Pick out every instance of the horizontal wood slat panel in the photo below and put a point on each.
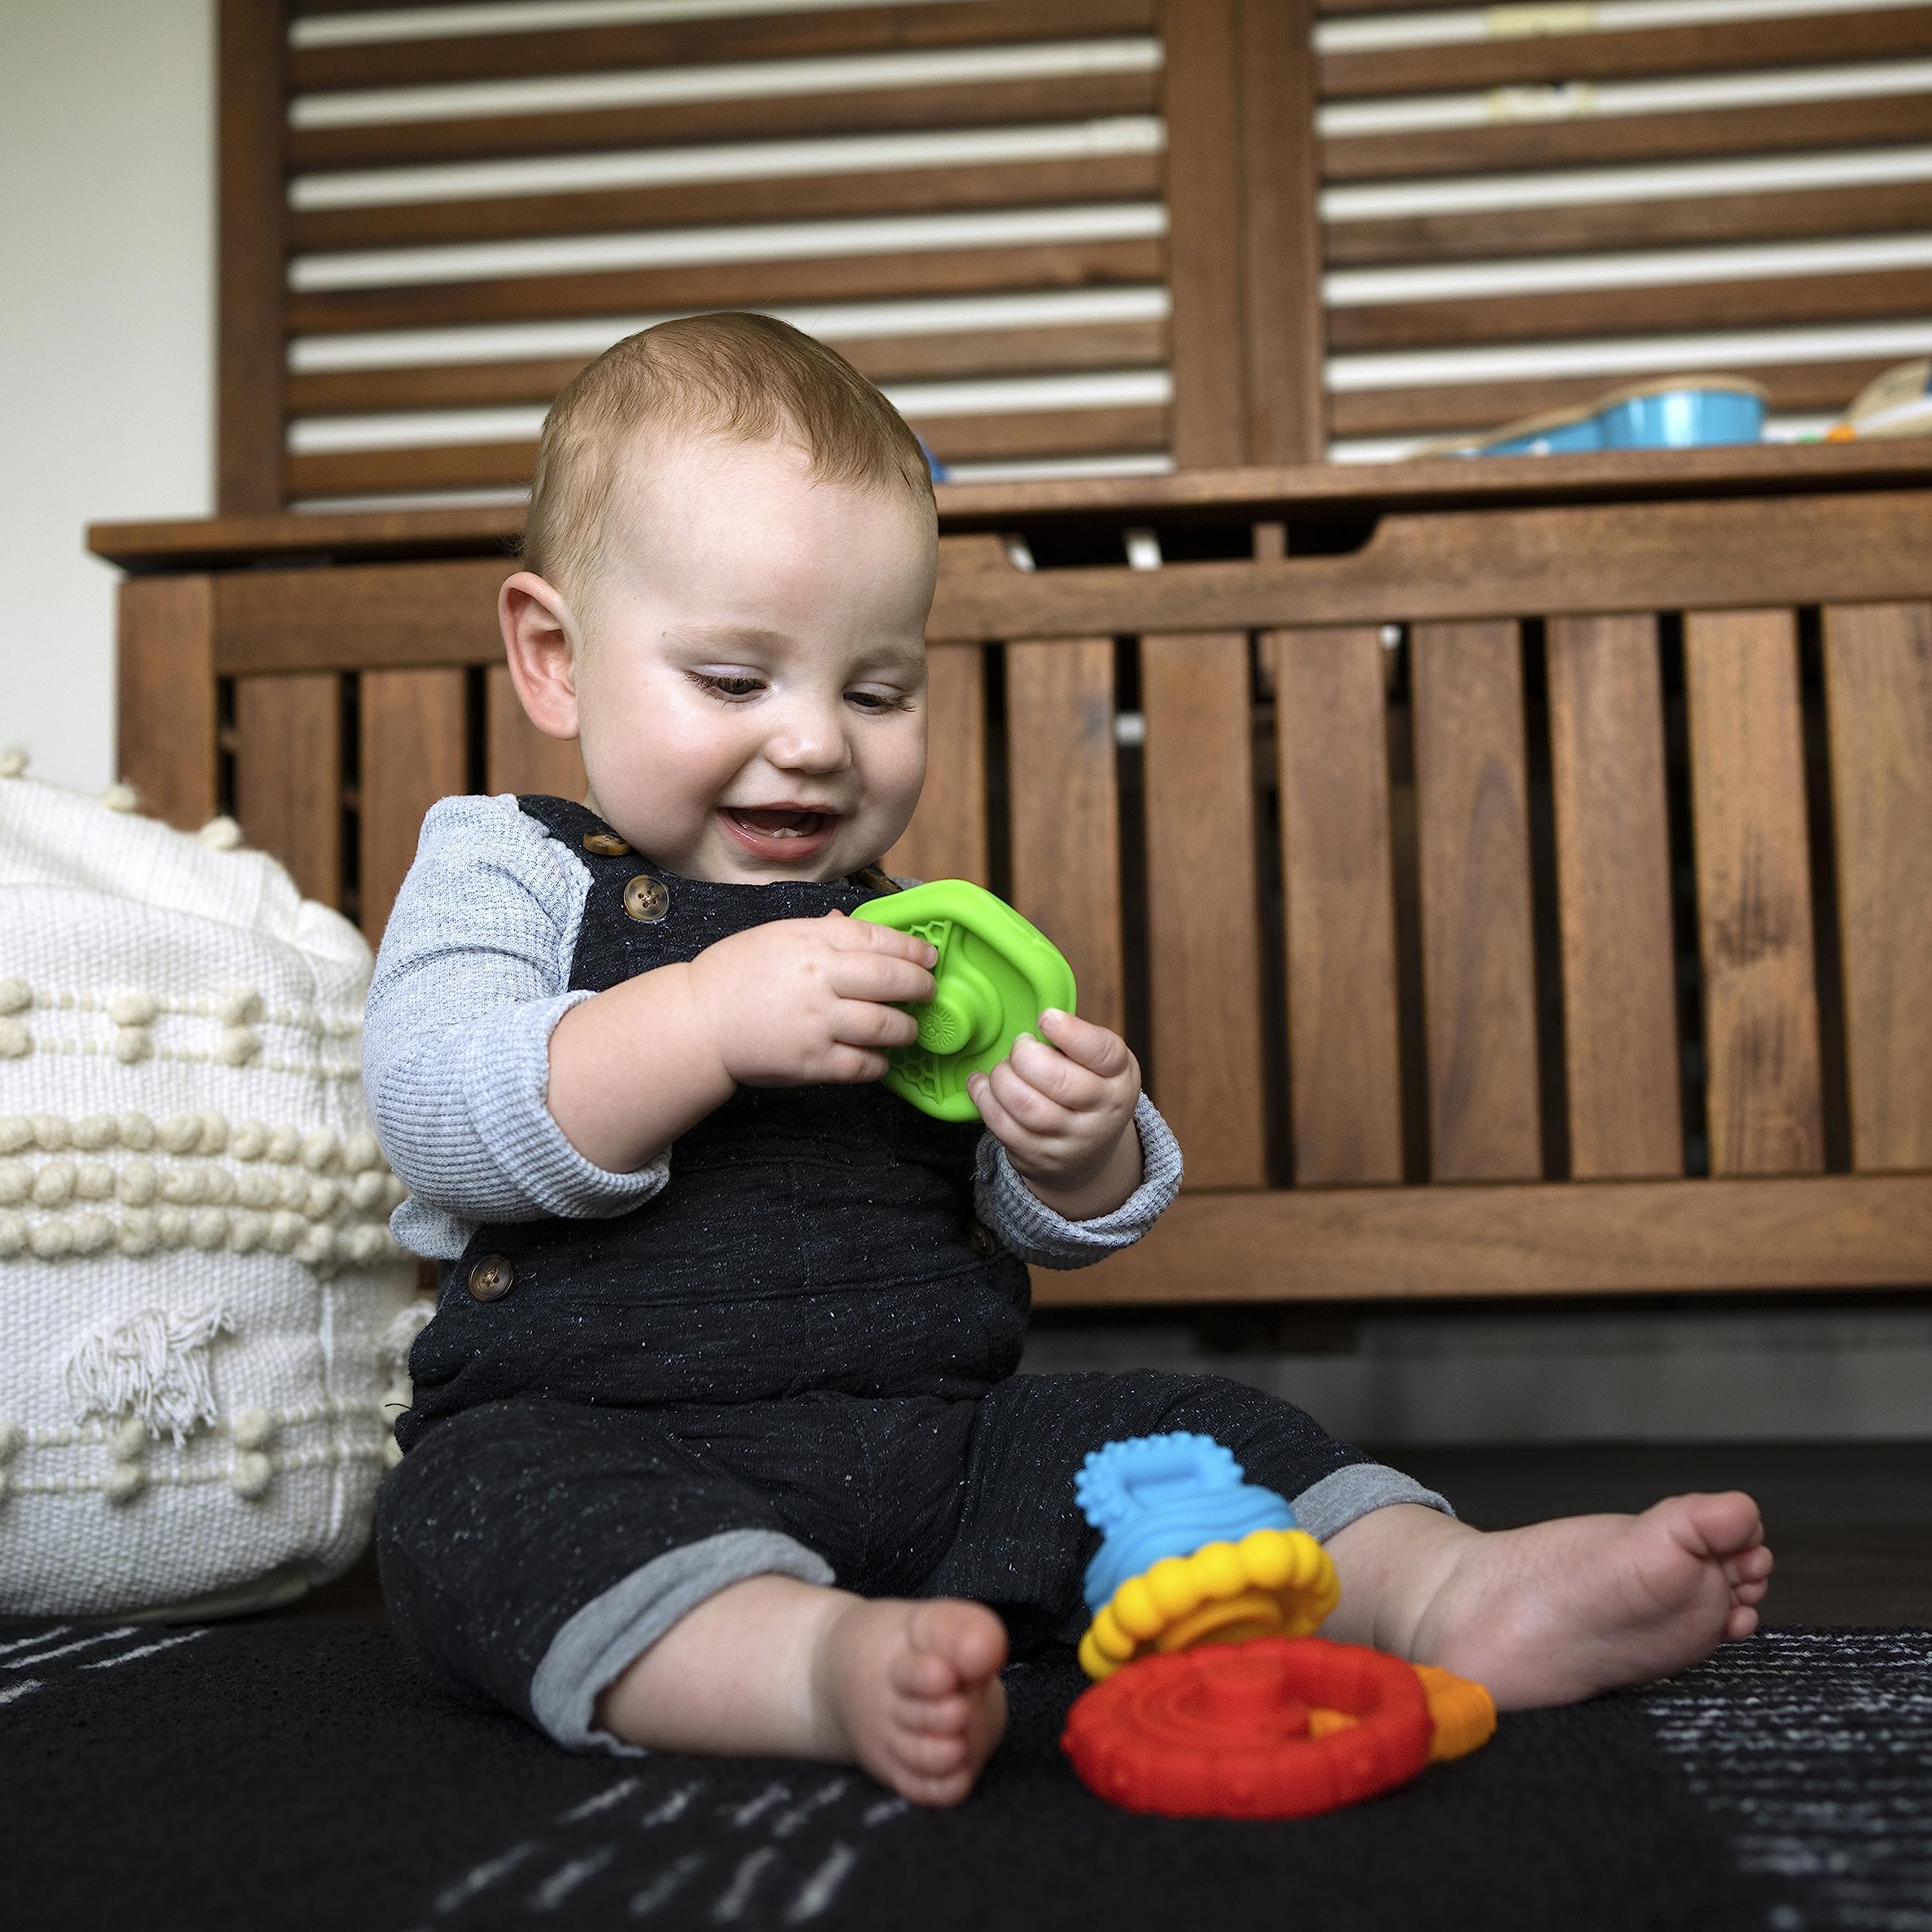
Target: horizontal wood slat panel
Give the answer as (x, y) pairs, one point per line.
(747, 117)
(1879, 693)
(413, 751)
(1612, 891)
(1033, 432)
(1825, 39)
(1867, 295)
(1331, 732)
(829, 31)
(724, 285)
(288, 775)
(1478, 982)
(1762, 1085)
(376, 617)
(517, 757)
(959, 353)
(947, 838)
(1203, 946)
(1789, 127)
(1789, 214)
(1063, 810)
(1410, 1244)
(1076, 178)
(1797, 388)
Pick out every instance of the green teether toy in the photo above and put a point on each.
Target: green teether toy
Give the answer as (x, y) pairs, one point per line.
(996, 974)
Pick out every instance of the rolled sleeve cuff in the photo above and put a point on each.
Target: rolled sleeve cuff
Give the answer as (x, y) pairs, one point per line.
(1352, 1492)
(1044, 1239)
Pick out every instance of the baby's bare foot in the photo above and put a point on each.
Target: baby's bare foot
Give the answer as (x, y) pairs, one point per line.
(1560, 1611)
(913, 1692)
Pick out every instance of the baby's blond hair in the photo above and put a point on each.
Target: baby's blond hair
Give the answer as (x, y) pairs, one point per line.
(745, 377)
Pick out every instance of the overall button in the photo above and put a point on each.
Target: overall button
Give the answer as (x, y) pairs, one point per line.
(646, 899)
(492, 1279)
(982, 1241)
(605, 844)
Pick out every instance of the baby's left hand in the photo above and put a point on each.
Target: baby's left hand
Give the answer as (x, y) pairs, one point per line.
(1063, 1108)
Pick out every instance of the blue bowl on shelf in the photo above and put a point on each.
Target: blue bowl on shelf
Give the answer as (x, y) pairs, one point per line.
(1675, 413)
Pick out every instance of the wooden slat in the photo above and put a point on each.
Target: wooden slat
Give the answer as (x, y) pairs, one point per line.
(947, 838)
(1754, 893)
(1879, 691)
(412, 753)
(966, 353)
(1478, 981)
(1063, 811)
(288, 775)
(1018, 433)
(1073, 178)
(1785, 128)
(726, 285)
(1203, 161)
(1414, 1244)
(1204, 958)
(1823, 39)
(165, 721)
(518, 758)
(1280, 238)
(764, 117)
(251, 39)
(1806, 388)
(1344, 1060)
(1579, 559)
(827, 31)
(1868, 295)
(1613, 884)
(1789, 214)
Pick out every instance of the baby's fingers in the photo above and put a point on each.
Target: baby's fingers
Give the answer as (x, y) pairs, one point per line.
(865, 1023)
(867, 936)
(1094, 1047)
(1041, 1115)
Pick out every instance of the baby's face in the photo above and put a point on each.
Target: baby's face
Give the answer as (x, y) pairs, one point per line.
(751, 674)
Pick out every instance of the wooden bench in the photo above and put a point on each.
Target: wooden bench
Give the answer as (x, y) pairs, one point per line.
(1515, 878)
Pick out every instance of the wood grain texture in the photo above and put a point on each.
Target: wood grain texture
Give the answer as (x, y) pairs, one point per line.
(947, 838)
(819, 33)
(1204, 964)
(251, 40)
(376, 617)
(1478, 979)
(1063, 810)
(891, 274)
(1203, 169)
(1421, 1243)
(518, 758)
(1344, 1055)
(1878, 694)
(1754, 893)
(165, 722)
(1613, 891)
(288, 770)
(412, 752)
(1281, 233)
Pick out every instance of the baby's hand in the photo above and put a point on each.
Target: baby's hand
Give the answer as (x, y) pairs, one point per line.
(1063, 1108)
(802, 1001)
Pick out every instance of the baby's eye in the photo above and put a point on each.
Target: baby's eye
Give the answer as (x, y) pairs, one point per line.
(877, 700)
(731, 684)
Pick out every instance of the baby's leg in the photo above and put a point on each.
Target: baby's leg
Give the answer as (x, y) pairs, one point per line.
(1559, 1610)
(773, 1667)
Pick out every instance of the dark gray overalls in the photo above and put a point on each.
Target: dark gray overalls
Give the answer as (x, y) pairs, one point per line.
(805, 1331)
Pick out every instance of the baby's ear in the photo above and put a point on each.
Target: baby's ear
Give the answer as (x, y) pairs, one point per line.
(538, 631)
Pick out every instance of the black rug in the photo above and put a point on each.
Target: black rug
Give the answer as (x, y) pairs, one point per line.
(273, 1774)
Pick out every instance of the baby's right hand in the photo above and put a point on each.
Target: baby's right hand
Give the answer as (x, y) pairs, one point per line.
(802, 1001)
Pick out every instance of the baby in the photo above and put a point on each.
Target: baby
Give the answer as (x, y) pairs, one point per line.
(717, 1444)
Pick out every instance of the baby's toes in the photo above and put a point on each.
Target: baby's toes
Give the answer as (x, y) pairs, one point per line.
(1741, 1621)
(924, 1757)
(1749, 1592)
(934, 1717)
(1749, 1566)
(924, 1675)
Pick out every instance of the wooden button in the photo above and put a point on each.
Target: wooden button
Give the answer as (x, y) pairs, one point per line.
(605, 844)
(980, 1239)
(646, 899)
(492, 1279)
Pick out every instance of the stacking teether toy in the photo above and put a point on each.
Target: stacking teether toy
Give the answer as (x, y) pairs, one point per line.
(1262, 1720)
(996, 974)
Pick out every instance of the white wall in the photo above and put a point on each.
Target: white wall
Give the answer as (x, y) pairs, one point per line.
(106, 336)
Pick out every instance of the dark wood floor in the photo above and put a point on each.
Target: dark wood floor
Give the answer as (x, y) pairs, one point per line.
(1851, 1523)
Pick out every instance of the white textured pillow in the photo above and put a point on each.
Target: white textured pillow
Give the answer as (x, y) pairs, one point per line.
(202, 1315)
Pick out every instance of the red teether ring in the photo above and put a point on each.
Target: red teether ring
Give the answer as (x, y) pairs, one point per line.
(1223, 1731)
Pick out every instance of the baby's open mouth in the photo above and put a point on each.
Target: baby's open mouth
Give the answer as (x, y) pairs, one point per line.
(780, 824)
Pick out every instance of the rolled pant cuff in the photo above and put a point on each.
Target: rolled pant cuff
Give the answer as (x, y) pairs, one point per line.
(1352, 1492)
(615, 1628)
